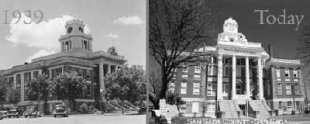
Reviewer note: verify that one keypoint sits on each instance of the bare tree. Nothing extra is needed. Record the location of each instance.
(304, 40)
(177, 27)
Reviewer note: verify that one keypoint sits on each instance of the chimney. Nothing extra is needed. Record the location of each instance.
(270, 50)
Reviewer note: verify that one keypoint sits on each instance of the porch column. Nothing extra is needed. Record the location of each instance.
(219, 77)
(109, 68)
(247, 76)
(233, 94)
(22, 94)
(101, 77)
(260, 78)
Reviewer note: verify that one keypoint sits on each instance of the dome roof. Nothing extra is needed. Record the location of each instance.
(230, 21)
(75, 21)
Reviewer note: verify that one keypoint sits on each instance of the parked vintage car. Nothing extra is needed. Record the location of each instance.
(2, 114)
(31, 111)
(13, 112)
(60, 110)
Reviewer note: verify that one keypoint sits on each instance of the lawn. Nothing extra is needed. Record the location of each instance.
(297, 117)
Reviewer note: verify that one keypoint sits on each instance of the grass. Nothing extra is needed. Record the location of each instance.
(297, 117)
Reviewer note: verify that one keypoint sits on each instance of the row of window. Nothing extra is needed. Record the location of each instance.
(196, 106)
(196, 88)
(287, 73)
(185, 67)
(287, 106)
(297, 89)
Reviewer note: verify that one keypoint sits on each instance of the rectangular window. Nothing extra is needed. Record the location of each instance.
(174, 76)
(280, 105)
(288, 89)
(295, 72)
(18, 81)
(279, 89)
(226, 71)
(210, 70)
(35, 74)
(195, 107)
(185, 68)
(197, 69)
(184, 76)
(211, 107)
(11, 82)
(197, 77)
(171, 87)
(278, 73)
(196, 88)
(225, 89)
(227, 60)
(211, 89)
(183, 87)
(287, 73)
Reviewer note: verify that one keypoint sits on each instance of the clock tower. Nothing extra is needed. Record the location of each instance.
(75, 37)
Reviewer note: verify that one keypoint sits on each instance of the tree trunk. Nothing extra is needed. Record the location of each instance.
(38, 103)
(45, 107)
(123, 111)
(164, 87)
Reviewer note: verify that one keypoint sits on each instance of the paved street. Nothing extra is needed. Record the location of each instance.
(79, 119)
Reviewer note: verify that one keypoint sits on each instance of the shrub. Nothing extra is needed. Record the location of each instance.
(84, 108)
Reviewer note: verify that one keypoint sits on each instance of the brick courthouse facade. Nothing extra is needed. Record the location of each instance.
(238, 80)
(76, 55)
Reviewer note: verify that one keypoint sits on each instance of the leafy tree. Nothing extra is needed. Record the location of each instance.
(68, 87)
(38, 88)
(12, 96)
(7, 93)
(3, 89)
(125, 84)
(177, 27)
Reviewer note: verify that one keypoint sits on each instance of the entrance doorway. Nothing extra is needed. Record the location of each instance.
(243, 109)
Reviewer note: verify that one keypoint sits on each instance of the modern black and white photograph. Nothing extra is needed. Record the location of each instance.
(228, 61)
(73, 61)
(155, 61)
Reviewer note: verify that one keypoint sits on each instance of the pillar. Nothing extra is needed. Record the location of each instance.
(233, 94)
(22, 92)
(109, 68)
(101, 77)
(247, 76)
(220, 77)
(260, 78)
(14, 81)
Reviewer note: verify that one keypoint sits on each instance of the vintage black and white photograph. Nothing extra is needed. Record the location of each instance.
(228, 61)
(72, 61)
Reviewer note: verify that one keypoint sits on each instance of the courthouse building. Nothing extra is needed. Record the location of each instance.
(76, 55)
(232, 83)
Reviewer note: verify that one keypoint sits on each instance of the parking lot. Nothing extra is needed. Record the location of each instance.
(79, 119)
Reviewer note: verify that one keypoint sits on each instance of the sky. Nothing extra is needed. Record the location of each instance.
(119, 23)
(283, 37)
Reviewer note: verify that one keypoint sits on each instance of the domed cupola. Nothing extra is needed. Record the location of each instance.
(75, 37)
(230, 26)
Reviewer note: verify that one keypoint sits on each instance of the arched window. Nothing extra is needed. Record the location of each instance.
(69, 30)
(81, 30)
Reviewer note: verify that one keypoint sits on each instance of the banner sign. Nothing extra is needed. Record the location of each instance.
(200, 120)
